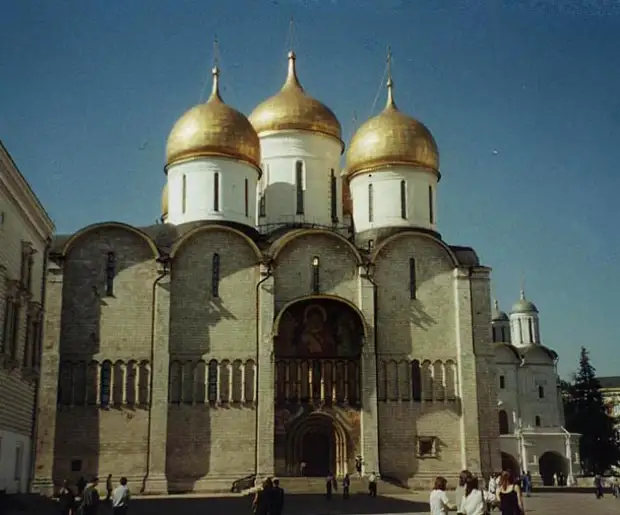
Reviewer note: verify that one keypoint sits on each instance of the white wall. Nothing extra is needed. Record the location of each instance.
(320, 155)
(200, 191)
(9, 464)
(386, 198)
(524, 328)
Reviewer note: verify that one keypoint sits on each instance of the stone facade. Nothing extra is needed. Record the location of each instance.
(25, 233)
(162, 354)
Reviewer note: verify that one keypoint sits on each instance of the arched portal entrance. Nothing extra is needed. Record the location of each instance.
(318, 343)
(510, 464)
(552, 463)
(321, 442)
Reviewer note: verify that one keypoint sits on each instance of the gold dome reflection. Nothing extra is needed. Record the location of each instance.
(213, 129)
(391, 138)
(292, 109)
(164, 201)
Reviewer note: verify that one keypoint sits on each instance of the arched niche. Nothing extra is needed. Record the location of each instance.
(319, 327)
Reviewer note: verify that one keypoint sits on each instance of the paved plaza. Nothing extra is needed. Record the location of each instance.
(301, 504)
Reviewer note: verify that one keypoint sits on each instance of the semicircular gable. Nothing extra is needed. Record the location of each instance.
(281, 243)
(189, 236)
(108, 225)
(538, 354)
(428, 238)
(506, 353)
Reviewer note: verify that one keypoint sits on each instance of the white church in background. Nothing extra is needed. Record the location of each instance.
(531, 415)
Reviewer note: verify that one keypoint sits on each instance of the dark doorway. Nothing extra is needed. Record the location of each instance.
(317, 452)
(510, 464)
(550, 464)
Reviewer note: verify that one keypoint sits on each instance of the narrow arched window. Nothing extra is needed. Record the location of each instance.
(541, 392)
(503, 423)
(530, 324)
(212, 381)
(299, 186)
(246, 198)
(216, 191)
(412, 280)
(215, 276)
(416, 381)
(431, 206)
(370, 203)
(315, 275)
(334, 196)
(110, 272)
(403, 200)
(105, 382)
(184, 194)
(537, 421)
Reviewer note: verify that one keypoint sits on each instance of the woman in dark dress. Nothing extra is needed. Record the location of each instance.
(510, 496)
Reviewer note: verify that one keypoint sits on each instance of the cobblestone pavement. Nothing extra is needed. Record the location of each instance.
(301, 504)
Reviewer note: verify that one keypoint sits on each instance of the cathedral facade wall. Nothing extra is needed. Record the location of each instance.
(104, 350)
(213, 324)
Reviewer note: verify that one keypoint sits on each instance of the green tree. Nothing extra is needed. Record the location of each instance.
(586, 414)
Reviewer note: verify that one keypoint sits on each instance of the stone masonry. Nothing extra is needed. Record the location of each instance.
(161, 365)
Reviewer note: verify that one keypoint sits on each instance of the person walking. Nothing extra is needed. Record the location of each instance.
(66, 500)
(346, 485)
(510, 496)
(438, 500)
(89, 505)
(598, 486)
(277, 498)
(263, 498)
(109, 487)
(475, 500)
(329, 485)
(120, 498)
(459, 491)
(372, 484)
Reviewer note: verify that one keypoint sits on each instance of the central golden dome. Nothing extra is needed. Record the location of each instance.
(213, 129)
(390, 139)
(292, 109)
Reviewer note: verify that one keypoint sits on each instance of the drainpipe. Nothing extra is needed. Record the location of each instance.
(162, 273)
(258, 285)
(37, 379)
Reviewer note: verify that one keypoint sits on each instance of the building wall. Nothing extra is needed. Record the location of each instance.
(424, 330)
(25, 230)
(212, 437)
(100, 329)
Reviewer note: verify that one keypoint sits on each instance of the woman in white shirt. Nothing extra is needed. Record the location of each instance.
(440, 504)
(475, 500)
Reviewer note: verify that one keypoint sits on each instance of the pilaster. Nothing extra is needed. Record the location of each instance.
(43, 480)
(265, 409)
(370, 413)
(155, 480)
(467, 372)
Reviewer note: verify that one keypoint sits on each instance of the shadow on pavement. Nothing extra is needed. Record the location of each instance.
(299, 504)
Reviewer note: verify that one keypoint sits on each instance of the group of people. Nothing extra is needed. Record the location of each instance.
(86, 500)
(472, 499)
(269, 498)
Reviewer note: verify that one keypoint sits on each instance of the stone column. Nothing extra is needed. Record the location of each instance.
(155, 480)
(467, 372)
(265, 409)
(43, 480)
(370, 413)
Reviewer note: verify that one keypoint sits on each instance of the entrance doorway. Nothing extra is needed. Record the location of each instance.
(510, 464)
(318, 451)
(552, 464)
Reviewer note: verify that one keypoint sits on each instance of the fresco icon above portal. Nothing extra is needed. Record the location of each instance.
(319, 328)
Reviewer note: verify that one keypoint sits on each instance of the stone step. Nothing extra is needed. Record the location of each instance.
(316, 485)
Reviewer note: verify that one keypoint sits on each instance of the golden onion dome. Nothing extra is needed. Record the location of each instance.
(164, 202)
(391, 138)
(293, 109)
(213, 129)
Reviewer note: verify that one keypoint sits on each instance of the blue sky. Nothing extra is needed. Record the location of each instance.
(523, 98)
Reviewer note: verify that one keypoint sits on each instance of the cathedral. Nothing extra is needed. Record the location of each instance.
(288, 309)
